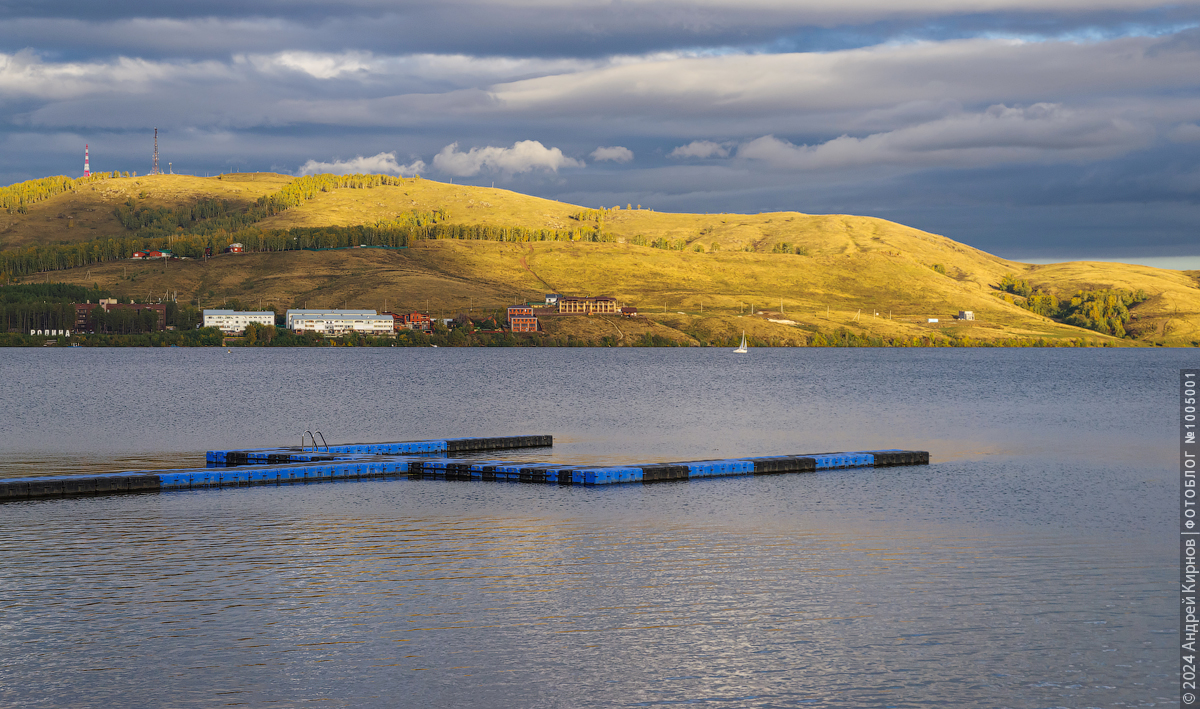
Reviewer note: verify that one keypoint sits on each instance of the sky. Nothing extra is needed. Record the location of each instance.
(1039, 130)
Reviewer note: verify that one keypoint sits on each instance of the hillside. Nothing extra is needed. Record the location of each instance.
(89, 211)
(798, 273)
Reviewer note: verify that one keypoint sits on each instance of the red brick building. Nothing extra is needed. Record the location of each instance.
(521, 319)
(418, 321)
(522, 323)
(85, 323)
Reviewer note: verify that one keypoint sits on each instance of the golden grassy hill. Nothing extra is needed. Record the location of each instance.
(867, 275)
(87, 213)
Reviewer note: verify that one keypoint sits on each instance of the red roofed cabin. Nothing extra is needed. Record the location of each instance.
(235, 248)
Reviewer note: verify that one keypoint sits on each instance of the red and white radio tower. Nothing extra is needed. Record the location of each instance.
(87, 170)
(154, 170)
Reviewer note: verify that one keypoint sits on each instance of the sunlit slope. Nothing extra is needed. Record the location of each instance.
(860, 273)
(871, 292)
(88, 212)
(1172, 312)
(694, 297)
(824, 235)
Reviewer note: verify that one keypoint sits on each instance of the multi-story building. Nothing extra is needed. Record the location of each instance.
(340, 322)
(418, 321)
(235, 321)
(521, 323)
(83, 312)
(588, 305)
(521, 319)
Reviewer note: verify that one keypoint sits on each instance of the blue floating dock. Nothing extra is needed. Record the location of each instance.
(414, 459)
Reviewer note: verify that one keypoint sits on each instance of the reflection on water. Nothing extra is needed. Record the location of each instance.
(422, 593)
(602, 405)
(1030, 566)
(25, 464)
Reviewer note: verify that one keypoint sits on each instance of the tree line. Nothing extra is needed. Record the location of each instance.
(51, 306)
(212, 224)
(15, 263)
(15, 198)
(1103, 310)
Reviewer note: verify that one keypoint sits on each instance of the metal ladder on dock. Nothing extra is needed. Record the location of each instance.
(316, 449)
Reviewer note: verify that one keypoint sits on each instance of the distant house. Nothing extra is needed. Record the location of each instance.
(552, 298)
(84, 322)
(139, 254)
(966, 315)
(234, 322)
(397, 320)
(418, 321)
(339, 322)
(522, 323)
(588, 305)
(629, 311)
(521, 319)
(235, 248)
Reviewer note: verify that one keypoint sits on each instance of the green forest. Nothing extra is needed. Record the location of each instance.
(1104, 310)
(50, 306)
(15, 199)
(214, 224)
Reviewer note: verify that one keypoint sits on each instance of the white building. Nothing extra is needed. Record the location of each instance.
(338, 322)
(235, 321)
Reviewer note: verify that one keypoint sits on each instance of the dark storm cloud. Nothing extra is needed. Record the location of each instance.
(552, 28)
(923, 111)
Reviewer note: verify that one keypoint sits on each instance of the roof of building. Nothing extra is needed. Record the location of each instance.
(219, 311)
(312, 313)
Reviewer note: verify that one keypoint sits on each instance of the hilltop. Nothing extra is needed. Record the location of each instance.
(781, 276)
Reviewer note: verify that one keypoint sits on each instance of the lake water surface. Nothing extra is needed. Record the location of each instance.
(1032, 564)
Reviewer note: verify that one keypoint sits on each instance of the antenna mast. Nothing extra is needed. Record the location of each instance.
(154, 170)
(87, 170)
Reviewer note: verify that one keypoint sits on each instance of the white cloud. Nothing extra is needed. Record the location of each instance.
(615, 153)
(795, 86)
(1039, 133)
(316, 64)
(700, 149)
(25, 73)
(523, 156)
(383, 163)
(445, 71)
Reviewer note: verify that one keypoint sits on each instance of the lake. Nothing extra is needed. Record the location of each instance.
(1032, 564)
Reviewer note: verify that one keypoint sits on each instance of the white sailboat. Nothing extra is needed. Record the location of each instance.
(742, 347)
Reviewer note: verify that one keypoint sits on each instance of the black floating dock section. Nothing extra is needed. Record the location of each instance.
(448, 445)
(413, 459)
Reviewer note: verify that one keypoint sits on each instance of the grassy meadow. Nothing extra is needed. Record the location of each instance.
(781, 277)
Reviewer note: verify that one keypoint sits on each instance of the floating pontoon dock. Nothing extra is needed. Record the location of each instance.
(426, 459)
